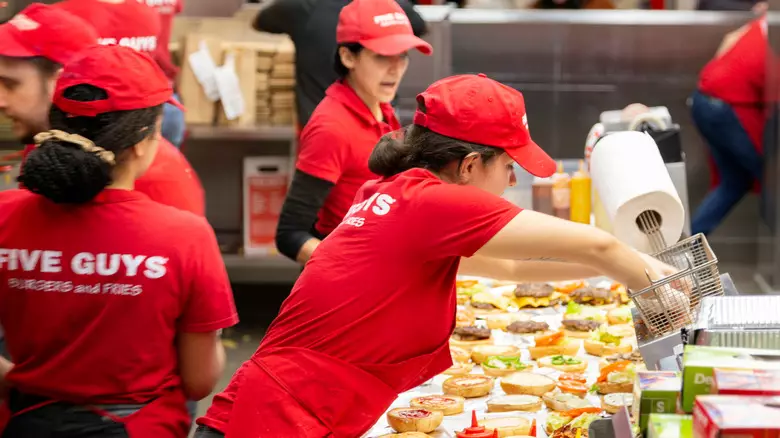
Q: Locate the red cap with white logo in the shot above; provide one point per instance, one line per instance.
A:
(380, 26)
(132, 80)
(45, 31)
(479, 110)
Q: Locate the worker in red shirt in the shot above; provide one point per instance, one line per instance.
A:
(372, 314)
(32, 52)
(173, 118)
(135, 24)
(729, 111)
(373, 39)
(111, 302)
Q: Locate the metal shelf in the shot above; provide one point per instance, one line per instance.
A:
(261, 270)
(253, 133)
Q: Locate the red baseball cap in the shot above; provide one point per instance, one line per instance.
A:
(46, 31)
(132, 80)
(380, 26)
(479, 110)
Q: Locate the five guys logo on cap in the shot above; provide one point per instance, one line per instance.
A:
(23, 22)
(391, 19)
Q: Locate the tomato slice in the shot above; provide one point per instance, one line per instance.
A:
(533, 428)
(572, 377)
(574, 413)
(617, 366)
(544, 340)
(575, 388)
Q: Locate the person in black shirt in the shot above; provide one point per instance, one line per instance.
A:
(311, 24)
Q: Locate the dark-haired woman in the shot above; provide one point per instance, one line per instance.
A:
(111, 302)
(374, 37)
(365, 321)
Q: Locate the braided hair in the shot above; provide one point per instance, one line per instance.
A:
(68, 174)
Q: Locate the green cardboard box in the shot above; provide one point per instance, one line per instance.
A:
(655, 392)
(699, 361)
(670, 426)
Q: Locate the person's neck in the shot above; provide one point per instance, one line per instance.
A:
(371, 102)
(122, 179)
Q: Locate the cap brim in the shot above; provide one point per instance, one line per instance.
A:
(533, 159)
(11, 46)
(392, 45)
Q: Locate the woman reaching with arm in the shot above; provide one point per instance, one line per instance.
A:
(372, 314)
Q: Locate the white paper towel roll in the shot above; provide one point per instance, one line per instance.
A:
(631, 177)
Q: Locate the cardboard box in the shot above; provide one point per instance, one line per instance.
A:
(746, 382)
(655, 392)
(265, 187)
(727, 416)
(670, 426)
(699, 363)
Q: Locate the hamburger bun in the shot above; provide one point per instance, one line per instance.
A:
(501, 321)
(459, 355)
(598, 348)
(446, 404)
(507, 426)
(465, 317)
(623, 330)
(482, 352)
(509, 403)
(414, 420)
(576, 365)
(577, 334)
(613, 402)
(561, 402)
(527, 384)
(568, 347)
(614, 388)
(503, 372)
(406, 435)
(468, 345)
(469, 386)
(459, 369)
(619, 315)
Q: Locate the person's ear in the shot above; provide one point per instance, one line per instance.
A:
(468, 166)
(51, 82)
(348, 59)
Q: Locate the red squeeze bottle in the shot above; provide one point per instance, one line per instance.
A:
(476, 431)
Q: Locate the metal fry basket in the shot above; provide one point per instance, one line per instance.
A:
(673, 303)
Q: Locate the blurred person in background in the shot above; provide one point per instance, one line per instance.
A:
(311, 24)
(574, 4)
(335, 145)
(144, 26)
(728, 109)
(173, 117)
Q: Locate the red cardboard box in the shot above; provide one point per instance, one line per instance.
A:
(731, 416)
(746, 382)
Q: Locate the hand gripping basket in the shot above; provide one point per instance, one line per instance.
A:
(673, 303)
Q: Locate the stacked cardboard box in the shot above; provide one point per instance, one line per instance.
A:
(264, 64)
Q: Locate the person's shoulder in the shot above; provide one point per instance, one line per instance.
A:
(15, 196)
(173, 217)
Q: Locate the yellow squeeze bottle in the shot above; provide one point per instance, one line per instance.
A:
(580, 195)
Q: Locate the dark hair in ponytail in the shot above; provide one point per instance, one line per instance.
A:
(66, 173)
(417, 146)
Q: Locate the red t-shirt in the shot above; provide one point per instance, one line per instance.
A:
(129, 23)
(408, 232)
(738, 77)
(167, 10)
(170, 180)
(335, 146)
(92, 296)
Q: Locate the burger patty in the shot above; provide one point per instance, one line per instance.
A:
(535, 290)
(634, 356)
(523, 327)
(580, 325)
(595, 295)
(483, 306)
(471, 333)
